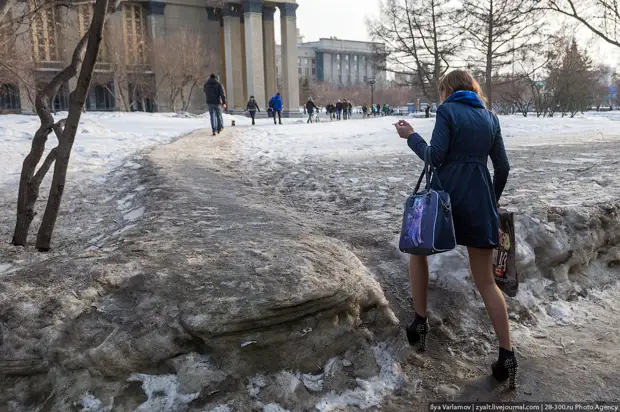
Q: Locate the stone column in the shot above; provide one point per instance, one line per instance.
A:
(269, 46)
(290, 75)
(234, 57)
(156, 27)
(254, 56)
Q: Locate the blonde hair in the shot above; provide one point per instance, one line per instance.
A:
(459, 80)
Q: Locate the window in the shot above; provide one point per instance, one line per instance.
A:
(59, 102)
(133, 33)
(299, 61)
(9, 98)
(85, 16)
(338, 57)
(313, 62)
(314, 71)
(355, 58)
(346, 57)
(100, 97)
(44, 40)
(307, 72)
(299, 69)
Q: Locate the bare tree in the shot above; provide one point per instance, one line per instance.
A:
(421, 40)
(184, 61)
(601, 17)
(82, 65)
(500, 32)
(515, 93)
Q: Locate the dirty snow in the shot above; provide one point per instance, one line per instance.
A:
(162, 392)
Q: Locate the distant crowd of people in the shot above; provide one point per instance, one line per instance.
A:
(341, 110)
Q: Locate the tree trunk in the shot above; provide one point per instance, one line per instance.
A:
(30, 181)
(76, 103)
(489, 65)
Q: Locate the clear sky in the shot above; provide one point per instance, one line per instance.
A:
(346, 19)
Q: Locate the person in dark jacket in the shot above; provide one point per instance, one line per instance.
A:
(427, 111)
(350, 108)
(364, 111)
(276, 104)
(216, 99)
(345, 109)
(252, 107)
(310, 107)
(338, 109)
(465, 135)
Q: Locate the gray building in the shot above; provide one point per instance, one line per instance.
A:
(339, 63)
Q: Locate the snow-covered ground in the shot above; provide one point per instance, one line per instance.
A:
(103, 139)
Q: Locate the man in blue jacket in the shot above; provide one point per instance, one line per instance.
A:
(276, 104)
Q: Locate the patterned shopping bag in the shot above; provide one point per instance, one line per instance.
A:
(505, 260)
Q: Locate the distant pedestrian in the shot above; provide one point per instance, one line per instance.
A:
(276, 104)
(345, 109)
(338, 109)
(216, 99)
(252, 107)
(350, 110)
(364, 111)
(427, 111)
(310, 107)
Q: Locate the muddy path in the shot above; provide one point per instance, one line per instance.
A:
(358, 200)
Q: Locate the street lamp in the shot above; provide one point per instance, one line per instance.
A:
(371, 81)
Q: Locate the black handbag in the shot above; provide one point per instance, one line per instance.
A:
(427, 226)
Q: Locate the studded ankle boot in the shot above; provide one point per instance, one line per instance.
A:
(506, 368)
(418, 331)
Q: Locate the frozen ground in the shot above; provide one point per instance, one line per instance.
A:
(138, 252)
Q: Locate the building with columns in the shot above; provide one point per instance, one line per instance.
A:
(338, 63)
(239, 33)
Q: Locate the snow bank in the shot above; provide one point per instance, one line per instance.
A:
(103, 139)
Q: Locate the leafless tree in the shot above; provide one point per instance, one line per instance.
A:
(421, 40)
(82, 65)
(602, 17)
(184, 62)
(514, 93)
(500, 32)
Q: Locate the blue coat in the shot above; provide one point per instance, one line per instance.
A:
(465, 135)
(276, 102)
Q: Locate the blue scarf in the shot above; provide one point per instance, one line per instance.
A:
(466, 97)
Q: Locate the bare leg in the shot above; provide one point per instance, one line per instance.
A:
(481, 263)
(418, 277)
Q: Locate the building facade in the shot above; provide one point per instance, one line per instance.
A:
(239, 35)
(339, 63)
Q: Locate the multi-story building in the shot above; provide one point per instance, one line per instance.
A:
(339, 63)
(239, 37)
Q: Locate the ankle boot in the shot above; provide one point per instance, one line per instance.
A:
(506, 367)
(418, 331)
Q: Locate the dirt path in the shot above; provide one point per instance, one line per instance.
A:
(358, 201)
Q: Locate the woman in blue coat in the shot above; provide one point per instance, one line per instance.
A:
(465, 135)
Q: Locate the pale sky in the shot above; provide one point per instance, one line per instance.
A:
(346, 19)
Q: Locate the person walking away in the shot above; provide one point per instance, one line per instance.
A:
(350, 110)
(465, 135)
(276, 103)
(310, 107)
(216, 99)
(427, 111)
(364, 111)
(252, 107)
(345, 109)
(338, 109)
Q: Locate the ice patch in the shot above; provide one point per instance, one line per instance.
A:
(4, 267)
(88, 403)
(560, 311)
(134, 214)
(221, 408)
(313, 383)
(274, 407)
(256, 383)
(370, 392)
(162, 393)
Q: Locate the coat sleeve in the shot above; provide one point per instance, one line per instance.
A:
(501, 167)
(440, 141)
(222, 94)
